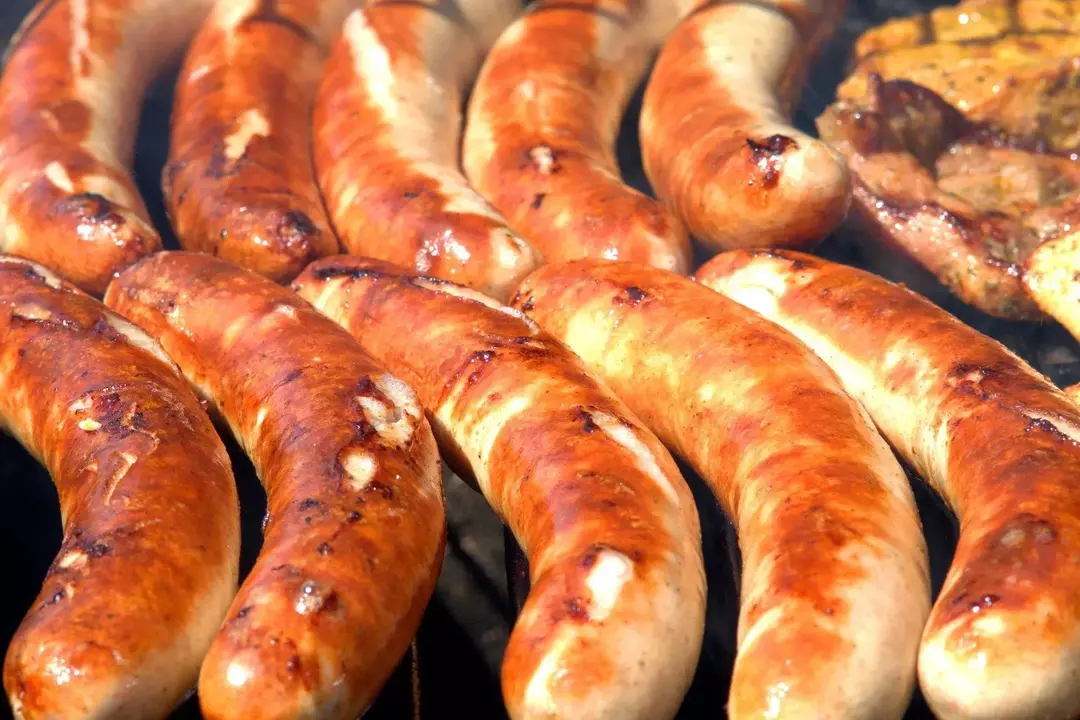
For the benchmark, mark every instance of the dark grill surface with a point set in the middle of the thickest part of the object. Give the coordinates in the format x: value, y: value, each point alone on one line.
x: 467, y: 624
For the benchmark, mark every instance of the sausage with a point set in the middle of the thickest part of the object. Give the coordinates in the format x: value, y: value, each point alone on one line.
x: 835, y: 585
x: 387, y: 130
x: 542, y: 124
x: 1051, y: 276
x: 1073, y: 393
x: 992, y: 436
x: 151, y: 546
x: 354, y: 533
x: 70, y: 97
x: 613, y: 624
x: 717, y: 140
x: 240, y: 181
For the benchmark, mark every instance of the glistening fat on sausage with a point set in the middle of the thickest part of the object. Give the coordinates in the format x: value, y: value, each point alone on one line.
x: 835, y: 586
x: 612, y: 626
x: 148, y: 563
x: 353, y: 539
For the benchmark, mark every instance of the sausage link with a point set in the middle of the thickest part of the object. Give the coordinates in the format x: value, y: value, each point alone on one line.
x: 717, y: 139
x: 148, y: 562
x: 542, y: 124
x: 998, y: 442
x: 240, y: 180
x: 353, y: 538
x: 613, y: 624
x: 70, y: 97
x: 387, y: 129
x: 1051, y: 277
x: 835, y: 586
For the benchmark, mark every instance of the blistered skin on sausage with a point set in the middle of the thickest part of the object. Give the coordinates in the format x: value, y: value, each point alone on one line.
x: 70, y: 98
x: 717, y: 140
x: 240, y: 180
x: 835, y: 586
x: 387, y: 132
x: 353, y: 538
x: 542, y: 124
x: 148, y: 563
x: 613, y: 624
x: 997, y: 440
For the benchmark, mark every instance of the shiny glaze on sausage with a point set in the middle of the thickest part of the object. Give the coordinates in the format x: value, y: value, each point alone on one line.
x: 240, y: 180
x: 148, y: 562
x: 835, y: 586
x: 70, y: 98
x: 613, y: 623
x: 353, y: 538
x: 387, y: 134
x: 542, y: 124
x: 717, y: 139
x: 998, y: 442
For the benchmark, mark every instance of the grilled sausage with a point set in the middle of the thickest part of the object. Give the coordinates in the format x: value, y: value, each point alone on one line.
x: 1052, y: 279
x: 613, y: 624
x: 835, y: 586
x: 999, y: 443
x: 716, y: 134
x: 151, y: 545
x: 1073, y: 393
x: 387, y: 130
x: 70, y: 97
x: 542, y: 124
x: 240, y: 180
x: 355, y: 527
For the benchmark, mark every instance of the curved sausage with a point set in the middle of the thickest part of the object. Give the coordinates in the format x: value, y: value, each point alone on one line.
x: 353, y: 538
x: 387, y: 134
x: 151, y: 545
x: 70, y: 98
x: 996, y: 440
x: 835, y: 586
x: 543, y: 119
x: 717, y: 139
x: 613, y: 624
x: 240, y: 179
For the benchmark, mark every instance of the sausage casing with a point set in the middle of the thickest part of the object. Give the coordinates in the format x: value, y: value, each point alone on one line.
x: 352, y: 543
x: 387, y: 135
x: 835, y: 586
x: 148, y: 563
x: 996, y: 440
x: 613, y: 624
x: 70, y: 98
x: 240, y: 180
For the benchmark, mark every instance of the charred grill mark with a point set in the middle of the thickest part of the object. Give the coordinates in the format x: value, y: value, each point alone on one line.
x: 1012, y: 17
x: 768, y: 156
x: 631, y: 295
x: 927, y: 31
x: 588, y: 426
x: 93, y: 207
x: 537, y: 201
x: 268, y: 12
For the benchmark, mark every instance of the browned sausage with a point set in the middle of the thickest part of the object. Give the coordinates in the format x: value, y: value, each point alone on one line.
x: 240, y: 181
x: 542, y: 124
x: 387, y: 135
x: 995, y: 438
x: 613, y: 623
x: 835, y: 586
x: 353, y: 538
x: 151, y: 543
x: 70, y: 98
x: 716, y: 133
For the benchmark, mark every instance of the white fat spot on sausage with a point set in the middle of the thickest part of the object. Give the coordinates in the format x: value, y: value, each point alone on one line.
x: 58, y: 176
x: 127, y: 460
x: 50, y: 278
x: 390, y: 421
x: 260, y: 418
x: 197, y: 73
x: 287, y: 310
x: 538, y: 698
x: 1059, y: 423
x: 481, y: 436
x: 60, y: 672
x: 312, y: 597
x: 31, y: 311
x: 238, y: 673
x: 371, y: 62
x: 250, y: 125
x: 138, y: 338
x: 360, y: 467
x: 605, y: 581
x: 73, y: 560
x: 89, y: 425
x: 628, y: 438
x: 476, y: 296
x: 84, y: 403
x: 755, y: 286
x: 543, y: 159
